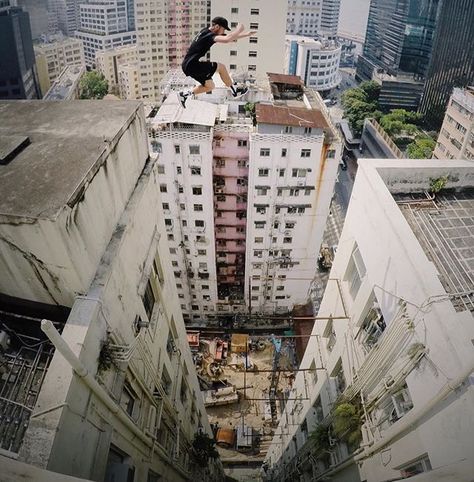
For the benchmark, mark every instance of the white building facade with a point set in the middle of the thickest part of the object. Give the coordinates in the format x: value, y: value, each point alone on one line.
x: 456, y: 138
x: 253, y: 57
x: 121, y: 383
x: 246, y: 205
x: 316, y: 62
x: 313, y: 17
x: 384, y: 389
x: 104, y: 25
x: 129, y: 81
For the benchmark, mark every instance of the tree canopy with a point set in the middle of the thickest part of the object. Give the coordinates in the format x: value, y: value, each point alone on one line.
x: 93, y: 85
x: 422, y: 148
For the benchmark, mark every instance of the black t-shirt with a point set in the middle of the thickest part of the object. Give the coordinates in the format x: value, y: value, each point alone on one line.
x: 200, y: 45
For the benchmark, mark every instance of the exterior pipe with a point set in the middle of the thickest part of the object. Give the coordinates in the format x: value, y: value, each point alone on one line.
x: 411, y: 418
x: 63, y: 348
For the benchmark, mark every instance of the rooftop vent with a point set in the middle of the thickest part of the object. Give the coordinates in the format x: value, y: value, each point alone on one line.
x: 10, y: 146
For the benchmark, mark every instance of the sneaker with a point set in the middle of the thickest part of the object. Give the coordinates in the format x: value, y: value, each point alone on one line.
x: 239, y: 91
x: 183, y: 97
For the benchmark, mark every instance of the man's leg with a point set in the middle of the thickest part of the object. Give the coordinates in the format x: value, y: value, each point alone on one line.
x: 202, y: 89
x: 236, y: 91
x: 224, y: 75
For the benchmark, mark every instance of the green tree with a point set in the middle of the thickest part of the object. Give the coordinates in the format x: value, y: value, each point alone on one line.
x: 371, y: 89
x: 358, y: 111
x: 400, y: 122
x: 347, y: 423
x: 421, y: 148
x: 93, y: 85
x: 352, y: 95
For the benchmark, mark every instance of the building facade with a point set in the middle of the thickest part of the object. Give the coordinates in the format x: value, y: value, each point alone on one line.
x: 316, y: 62
x: 313, y: 18
x: 104, y: 25
x: 53, y: 56
x: 39, y: 16
x: 67, y: 85
x: 253, y: 57
x: 456, y: 138
x: 108, y: 63
x: 246, y: 205
x: 129, y: 81
x: 18, y: 75
x: 391, y: 343
x: 111, y: 370
x: 164, y: 32
x: 452, y: 63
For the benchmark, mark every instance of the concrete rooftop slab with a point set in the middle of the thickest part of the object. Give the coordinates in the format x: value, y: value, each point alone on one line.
x: 67, y: 140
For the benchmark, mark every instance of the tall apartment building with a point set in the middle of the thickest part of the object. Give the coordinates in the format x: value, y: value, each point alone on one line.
x: 53, y: 56
x: 313, y: 18
x: 129, y: 81
x: 245, y: 205
x: 39, y: 16
x: 164, y: 32
x: 66, y: 13
x: 253, y: 57
x: 18, y: 76
x: 104, y: 24
x: 316, y: 62
x: 456, y: 138
x: 83, y: 241
x: 391, y: 348
x: 108, y: 63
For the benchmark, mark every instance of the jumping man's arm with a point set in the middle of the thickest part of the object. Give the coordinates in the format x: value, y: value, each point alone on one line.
x: 234, y: 35
x: 247, y: 34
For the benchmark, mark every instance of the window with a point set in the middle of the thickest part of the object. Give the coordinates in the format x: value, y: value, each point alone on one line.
x: 202, y: 252
x: 198, y: 207
x: 258, y: 253
x: 253, y: 40
x: 264, y: 152
x: 197, y: 191
x: 177, y: 148
x: 163, y: 188
x: 338, y: 378
x: 289, y: 225
x: 287, y: 240
x: 129, y: 400
x: 254, y: 11
x: 195, y: 171
x: 305, y: 152
x: 199, y: 223
x: 242, y: 143
x: 182, y: 206
x: 283, y: 154
x: 261, y: 209
x: 355, y: 272
x: 233, y: 53
x: 260, y: 224
x: 262, y: 172
x: 161, y: 169
x: 298, y: 172
x: 178, y: 170
x: 262, y: 191
x: 234, y: 10
x: 148, y: 299
x: 254, y: 26
x: 252, y: 53
x: 258, y: 240
x: 156, y: 146
x: 418, y: 466
x: 194, y: 149
x: 166, y: 206
x: 252, y: 67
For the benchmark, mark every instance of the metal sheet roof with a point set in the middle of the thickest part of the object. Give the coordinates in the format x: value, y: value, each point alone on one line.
x: 290, y: 116
x: 196, y: 112
x: 285, y: 79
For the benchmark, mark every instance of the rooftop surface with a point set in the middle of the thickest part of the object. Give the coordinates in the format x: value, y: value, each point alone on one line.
x: 290, y: 116
x: 285, y: 79
x: 445, y: 230
x: 67, y: 140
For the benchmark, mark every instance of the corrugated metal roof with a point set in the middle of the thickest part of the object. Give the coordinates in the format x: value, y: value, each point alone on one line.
x: 285, y: 79
x: 290, y: 116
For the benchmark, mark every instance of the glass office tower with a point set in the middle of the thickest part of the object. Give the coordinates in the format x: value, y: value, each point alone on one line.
x: 399, y: 37
x: 452, y: 59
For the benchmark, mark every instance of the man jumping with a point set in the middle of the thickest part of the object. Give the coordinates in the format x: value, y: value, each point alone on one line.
x: 202, y: 71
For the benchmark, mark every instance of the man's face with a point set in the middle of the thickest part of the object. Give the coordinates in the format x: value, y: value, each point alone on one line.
x: 217, y: 29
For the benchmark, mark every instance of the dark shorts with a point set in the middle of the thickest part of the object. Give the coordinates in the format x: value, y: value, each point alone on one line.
x: 200, y: 71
